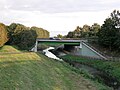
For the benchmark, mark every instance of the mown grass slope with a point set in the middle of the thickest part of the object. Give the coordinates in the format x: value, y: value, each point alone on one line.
x: 8, y: 49
x: 31, y: 71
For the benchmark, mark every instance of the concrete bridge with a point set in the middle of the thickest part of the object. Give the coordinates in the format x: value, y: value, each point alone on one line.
x: 59, y: 41
x: 84, y: 49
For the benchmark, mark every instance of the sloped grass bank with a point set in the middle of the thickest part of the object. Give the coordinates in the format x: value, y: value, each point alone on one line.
x: 7, y: 49
x: 31, y: 71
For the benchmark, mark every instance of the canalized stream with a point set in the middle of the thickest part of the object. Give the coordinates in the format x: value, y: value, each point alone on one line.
x: 104, y: 77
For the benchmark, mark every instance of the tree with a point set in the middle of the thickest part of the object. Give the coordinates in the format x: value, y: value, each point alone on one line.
x: 41, y: 33
x: 77, y: 32
x: 85, y: 30
x: 3, y: 34
x: 115, y: 15
x: 107, y: 34
x: 70, y: 35
x: 21, y: 36
x: 26, y: 39
x: 13, y: 30
x: 94, y: 29
x: 117, y: 42
x: 59, y: 36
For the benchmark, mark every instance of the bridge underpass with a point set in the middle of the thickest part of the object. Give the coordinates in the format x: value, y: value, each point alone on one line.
x: 82, y: 47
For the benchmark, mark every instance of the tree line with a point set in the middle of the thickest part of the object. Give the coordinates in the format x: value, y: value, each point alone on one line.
x: 85, y: 31
x: 20, y: 35
x: 107, y: 35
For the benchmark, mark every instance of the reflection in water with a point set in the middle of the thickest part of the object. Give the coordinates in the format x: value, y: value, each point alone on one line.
x: 51, y: 55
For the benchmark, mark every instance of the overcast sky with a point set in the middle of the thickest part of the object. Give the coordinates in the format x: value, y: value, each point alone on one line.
x: 56, y: 16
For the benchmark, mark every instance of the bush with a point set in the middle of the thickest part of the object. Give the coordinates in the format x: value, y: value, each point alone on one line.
x: 3, y: 34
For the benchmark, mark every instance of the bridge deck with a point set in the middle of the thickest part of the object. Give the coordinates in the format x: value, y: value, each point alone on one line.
x: 61, y: 40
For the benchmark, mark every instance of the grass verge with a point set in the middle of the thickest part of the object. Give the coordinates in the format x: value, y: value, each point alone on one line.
x: 31, y: 71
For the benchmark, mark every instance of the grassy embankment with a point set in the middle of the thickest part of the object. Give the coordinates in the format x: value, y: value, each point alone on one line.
x: 31, y: 71
x: 112, y: 68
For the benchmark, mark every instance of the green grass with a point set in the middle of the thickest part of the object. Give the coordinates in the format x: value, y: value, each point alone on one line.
x: 31, y: 71
x: 112, y: 68
x: 8, y: 48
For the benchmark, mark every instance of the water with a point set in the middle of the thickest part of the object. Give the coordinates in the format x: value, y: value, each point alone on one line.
x: 108, y: 80
x: 51, y: 55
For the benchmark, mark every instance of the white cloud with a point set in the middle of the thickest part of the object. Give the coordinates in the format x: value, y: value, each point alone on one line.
x: 61, y: 22
x: 57, y: 16
x: 108, y: 1
x: 57, y: 6
x: 56, y: 22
